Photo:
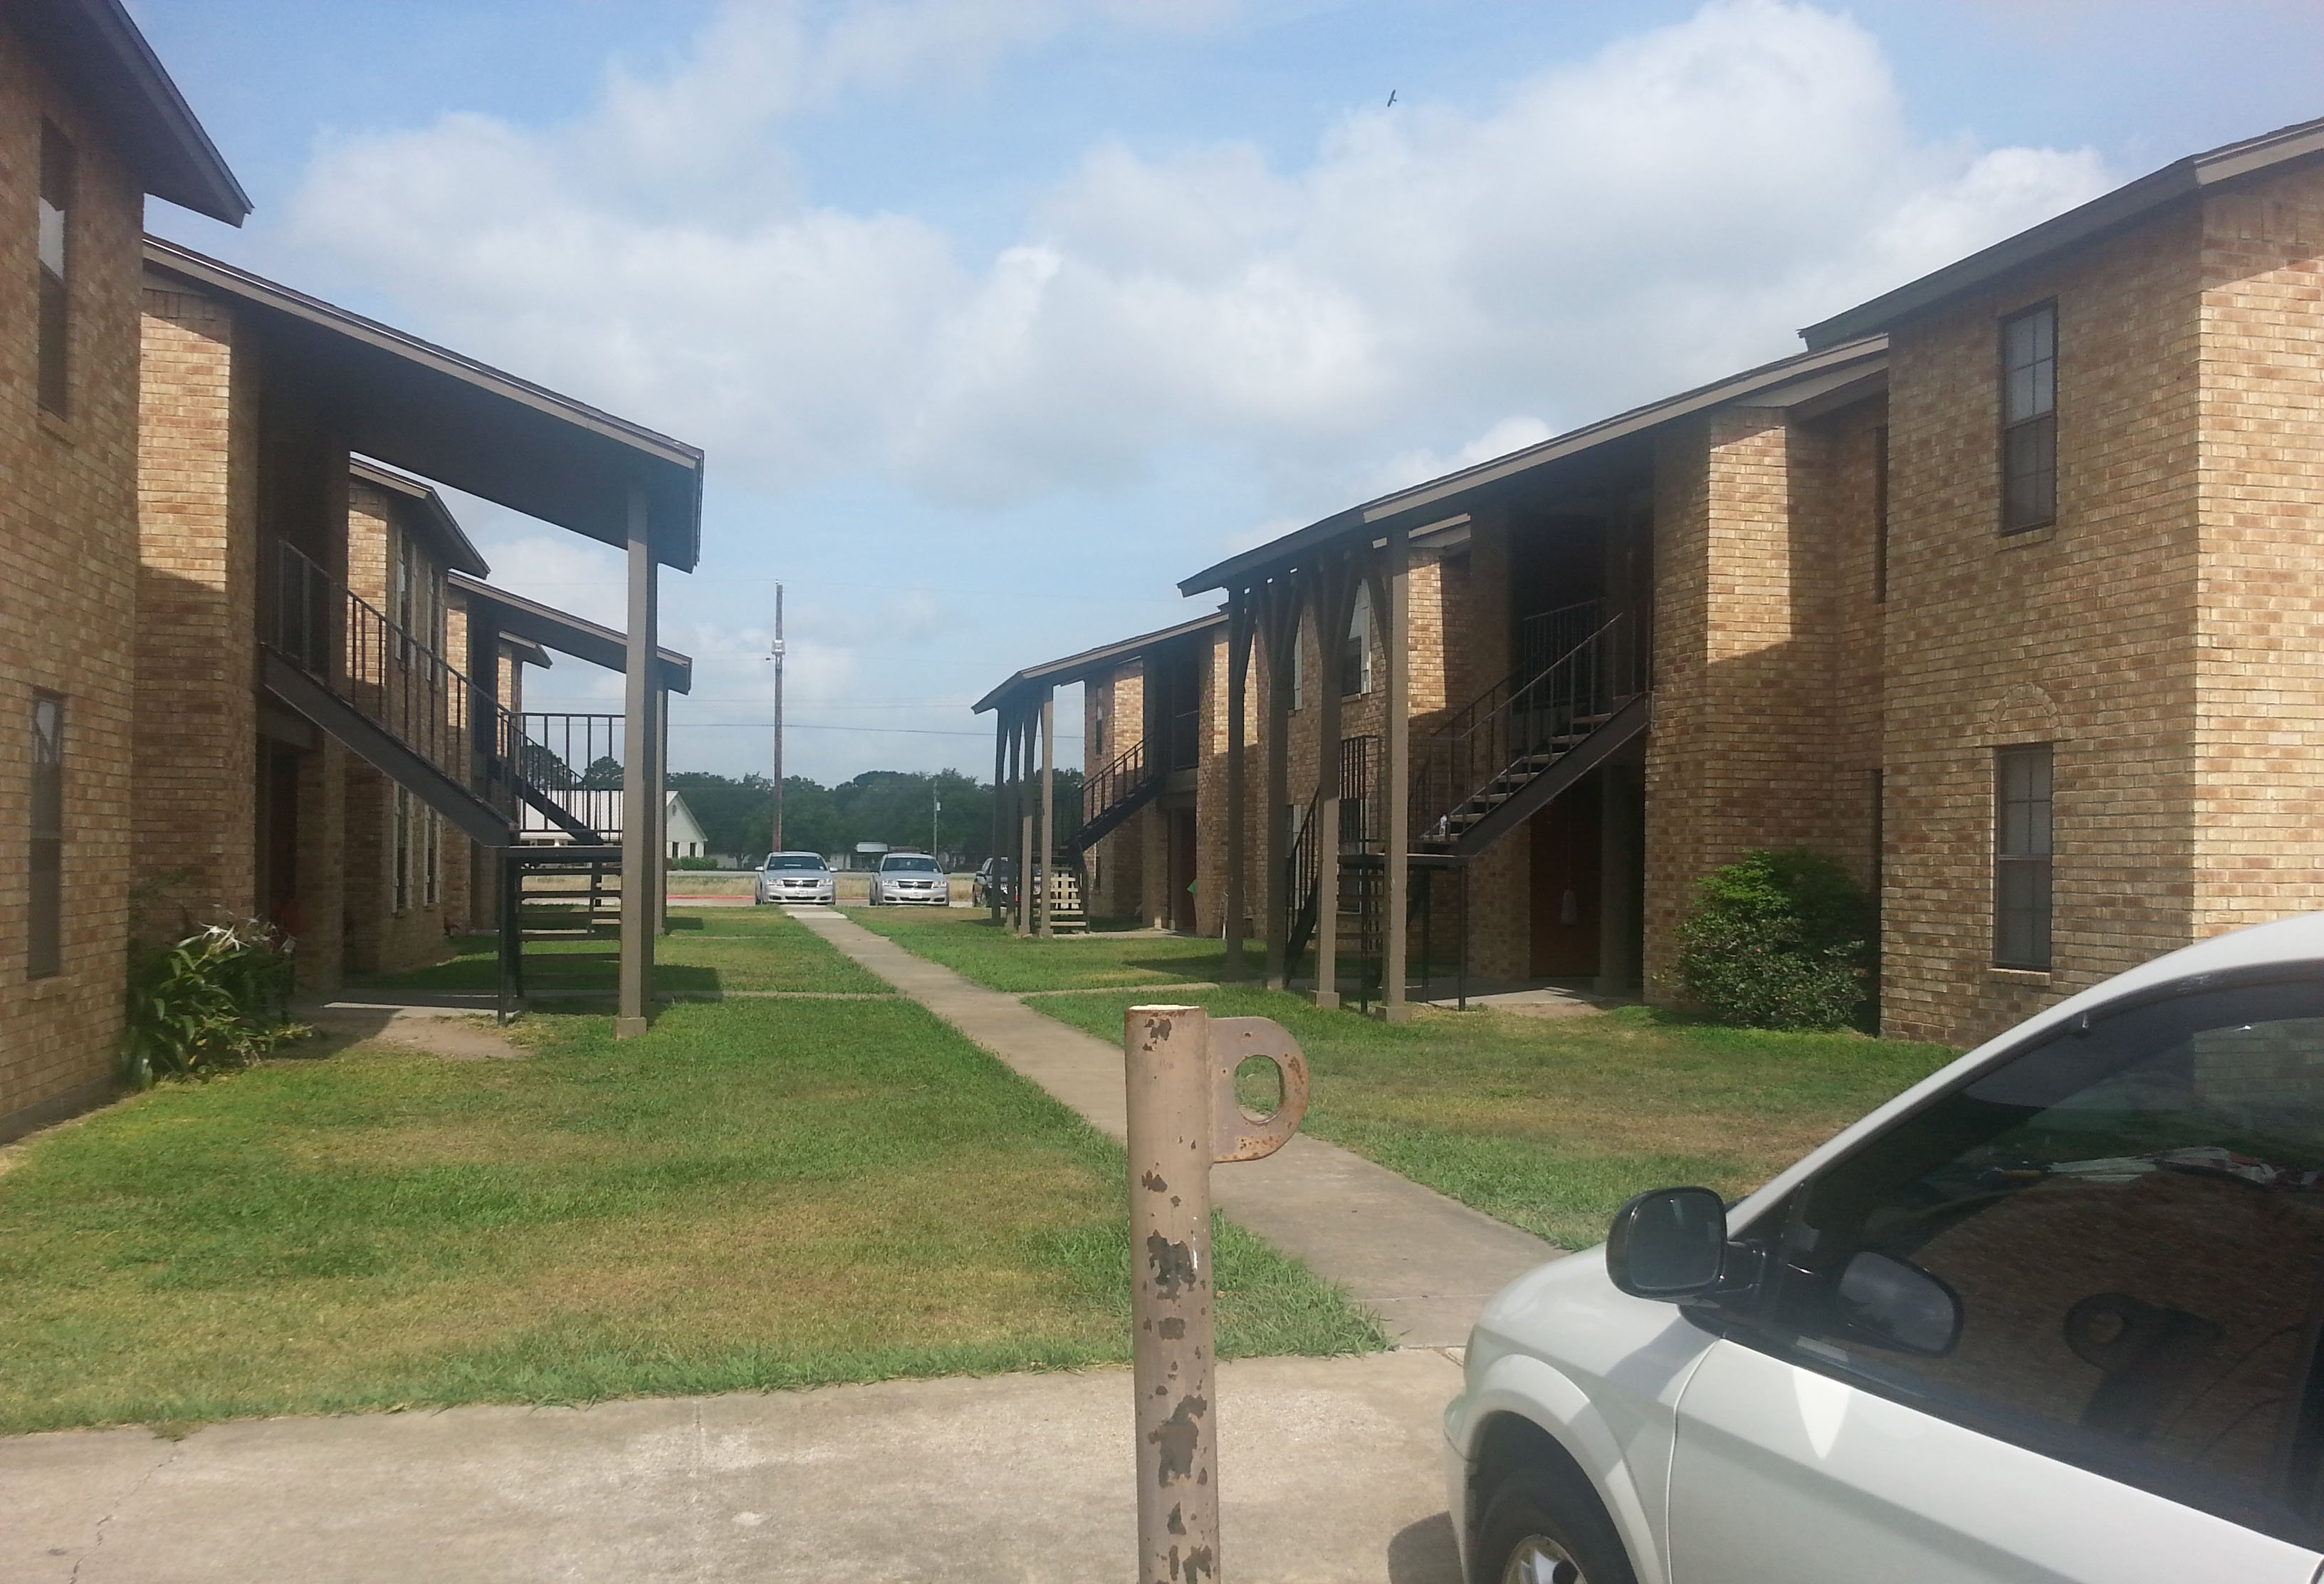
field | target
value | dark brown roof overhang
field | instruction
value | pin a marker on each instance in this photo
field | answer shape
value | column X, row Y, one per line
column 96, row 51
column 1801, row 378
column 423, row 409
column 1089, row 663
column 518, row 617
column 435, row 518
column 2102, row 215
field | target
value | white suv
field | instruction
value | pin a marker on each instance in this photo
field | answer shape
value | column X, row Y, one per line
column 2052, row 1314
column 911, row 878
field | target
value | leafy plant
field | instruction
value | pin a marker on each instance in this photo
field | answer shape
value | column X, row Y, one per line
column 214, row 1001
column 694, row 862
column 1778, row 940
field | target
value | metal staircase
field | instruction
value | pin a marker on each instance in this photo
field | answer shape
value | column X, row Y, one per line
column 1528, row 738
column 1114, row 794
column 403, row 708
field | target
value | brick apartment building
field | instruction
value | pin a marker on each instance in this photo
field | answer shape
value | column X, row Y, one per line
column 89, row 125
column 254, row 669
column 2005, row 593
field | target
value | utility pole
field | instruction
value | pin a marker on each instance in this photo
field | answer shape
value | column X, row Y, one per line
column 935, row 819
column 776, row 654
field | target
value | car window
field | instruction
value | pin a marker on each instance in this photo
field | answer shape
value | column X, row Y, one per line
column 910, row 866
column 793, row 862
column 2131, row 1217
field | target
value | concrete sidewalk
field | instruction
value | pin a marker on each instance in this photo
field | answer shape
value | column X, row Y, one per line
column 1424, row 1263
column 1328, row 1470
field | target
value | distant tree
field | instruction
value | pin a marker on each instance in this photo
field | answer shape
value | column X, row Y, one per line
column 603, row 774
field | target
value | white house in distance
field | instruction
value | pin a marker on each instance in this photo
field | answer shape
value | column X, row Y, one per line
column 681, row 832
column 600, row 810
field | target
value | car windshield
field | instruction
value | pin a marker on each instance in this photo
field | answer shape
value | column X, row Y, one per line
column 794, row 861
column 911, row 866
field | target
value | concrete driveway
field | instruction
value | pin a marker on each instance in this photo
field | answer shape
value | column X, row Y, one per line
column 1329, row 1470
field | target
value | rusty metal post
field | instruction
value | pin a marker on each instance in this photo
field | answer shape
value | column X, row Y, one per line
column 1183, row 1116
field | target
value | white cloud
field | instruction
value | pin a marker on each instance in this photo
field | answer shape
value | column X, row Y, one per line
column 1599, row 234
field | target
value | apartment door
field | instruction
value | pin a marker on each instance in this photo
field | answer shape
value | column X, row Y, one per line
column 1566, row 853
column 1182, row 870
column 278, row 835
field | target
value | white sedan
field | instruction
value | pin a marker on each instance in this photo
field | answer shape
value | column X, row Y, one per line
column 904, row 877
column 2052, row 1314
column 794, row 877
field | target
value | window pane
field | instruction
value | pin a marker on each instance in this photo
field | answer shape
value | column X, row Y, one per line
column 53, row 338
column 2132, row 1222
column 44, row 925
column 2030, row 473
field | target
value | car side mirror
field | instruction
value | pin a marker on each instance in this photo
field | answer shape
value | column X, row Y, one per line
column 1891, row 1304
column 1668, row 1243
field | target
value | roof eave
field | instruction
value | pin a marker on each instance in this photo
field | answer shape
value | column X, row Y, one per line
column 1439, row 495
column 99, row 51
column 2104, row 214
column 1073, row 667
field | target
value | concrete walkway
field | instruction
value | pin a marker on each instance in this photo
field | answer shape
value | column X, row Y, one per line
column 1424, row 1263
column 1328, row 1471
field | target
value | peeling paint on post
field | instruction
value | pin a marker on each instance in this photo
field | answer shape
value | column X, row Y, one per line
column 1180, row 1066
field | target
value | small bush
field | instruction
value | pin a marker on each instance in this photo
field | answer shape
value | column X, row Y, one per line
column 1778, row 940
column 217, row 1000
column 694, row 862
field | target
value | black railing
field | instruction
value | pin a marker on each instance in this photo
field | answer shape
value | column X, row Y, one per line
column 398, row 682
column 1301, row 871
column 1547, row 638
column 570, row 765
column 1362, row 823
column 1114, row 785
column 1518, row 728
column 389, row 674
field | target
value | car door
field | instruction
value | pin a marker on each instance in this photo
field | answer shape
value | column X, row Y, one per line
column 2059, row 1323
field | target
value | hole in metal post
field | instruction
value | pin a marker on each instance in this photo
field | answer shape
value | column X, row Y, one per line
column 1259, row 1088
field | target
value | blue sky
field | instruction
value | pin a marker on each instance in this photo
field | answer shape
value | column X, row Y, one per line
column 996, row 317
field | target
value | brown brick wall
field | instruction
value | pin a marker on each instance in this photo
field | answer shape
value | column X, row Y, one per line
column 1741, row 750
column 68, row 594
column 2081, row 635
column 2259, row 644
column 1117, row 862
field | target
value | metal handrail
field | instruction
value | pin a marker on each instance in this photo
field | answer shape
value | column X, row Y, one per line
column 1114, row 784
column 399, row 682
column 1301, row 867
column 1521, row 723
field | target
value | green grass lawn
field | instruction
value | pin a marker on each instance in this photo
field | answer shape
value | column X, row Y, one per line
column 1551, row 1124
column 707, row 948
column 755, row 1194
column 972, row 945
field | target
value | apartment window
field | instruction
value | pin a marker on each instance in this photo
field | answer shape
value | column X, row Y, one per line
column 431, row 858
column 1097, row 736
column 2021, row 856
column 400, row 835
column 1299, row 671
column 1880, row 514
column 1356, row 649
column 404, row 594
column 56, row 300
column 2029, row 419
column 45, row 953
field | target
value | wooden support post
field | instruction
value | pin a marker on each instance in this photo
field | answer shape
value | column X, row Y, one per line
column 1334, row 596
column 1048, row 804
column 998, row 847
column 640, row 783
column 1397, row 750
column 1279, row 620
column 1238, row 898
column 661, row 809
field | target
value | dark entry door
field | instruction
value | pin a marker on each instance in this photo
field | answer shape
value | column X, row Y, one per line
column 1565, row 883
column 1182, row 870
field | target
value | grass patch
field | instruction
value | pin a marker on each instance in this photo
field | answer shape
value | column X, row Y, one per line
column 707, row 949
column 755, row 1194
column 1550, row 1125
column 972, row 946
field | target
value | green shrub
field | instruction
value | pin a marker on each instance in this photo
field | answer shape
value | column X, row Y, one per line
column 214, row 1001
column 694, row 862
column 1778, row 940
